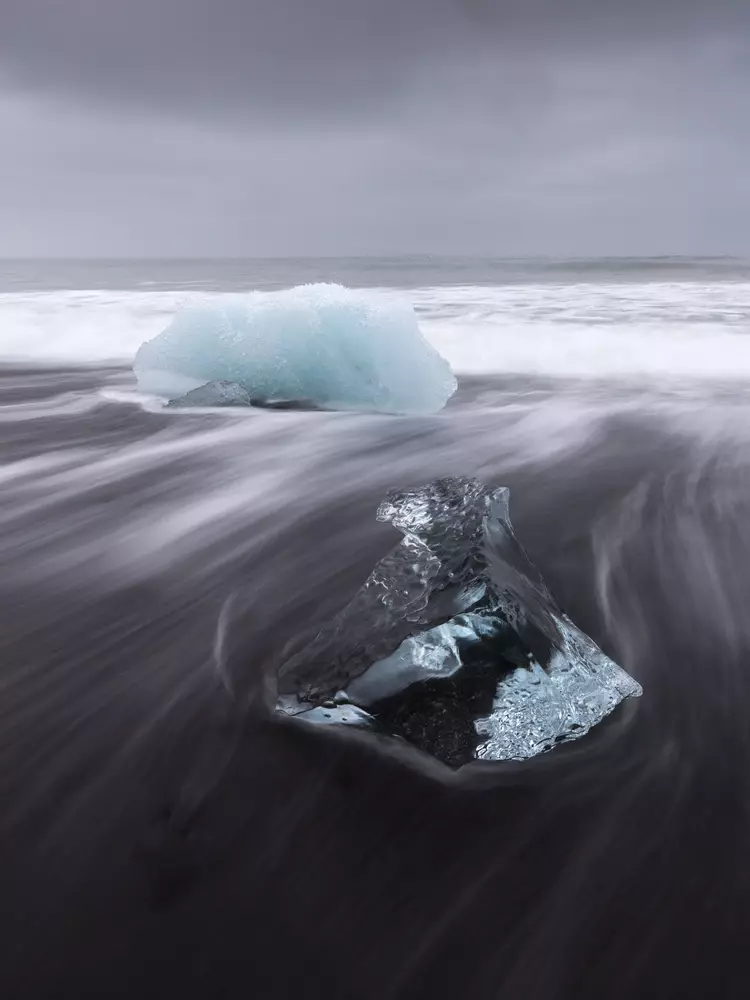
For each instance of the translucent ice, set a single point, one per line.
(455, 644)
(221, 393)
(330, 345)
(217, 393)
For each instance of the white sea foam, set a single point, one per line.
(681, 329)
(81, 326)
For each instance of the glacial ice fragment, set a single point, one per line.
(455, 644)
(216, 393)
(222, 393)
(332, 346)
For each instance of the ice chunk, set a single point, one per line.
(221, 393)
(455, 644)
(338, 348)
(218, 393)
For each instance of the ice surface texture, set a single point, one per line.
(220, 393)
(217, 393)
(454, 644)
(330, 345)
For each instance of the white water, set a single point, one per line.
(680, 329)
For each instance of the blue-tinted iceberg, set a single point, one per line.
(454, 644)
(335, 347)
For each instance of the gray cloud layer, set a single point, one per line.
(374, 126)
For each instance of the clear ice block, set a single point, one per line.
(455, 644)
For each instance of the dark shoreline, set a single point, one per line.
(160, 838)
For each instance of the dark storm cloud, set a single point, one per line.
(318, 57)
(374, 126)
(258, 56)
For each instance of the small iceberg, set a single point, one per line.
(329, 346)
(454, 644)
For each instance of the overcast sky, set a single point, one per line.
(265, 127)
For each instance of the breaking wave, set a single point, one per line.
(655, 329)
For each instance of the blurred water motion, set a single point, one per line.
(159, 832)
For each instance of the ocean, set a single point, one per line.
(162, 837)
